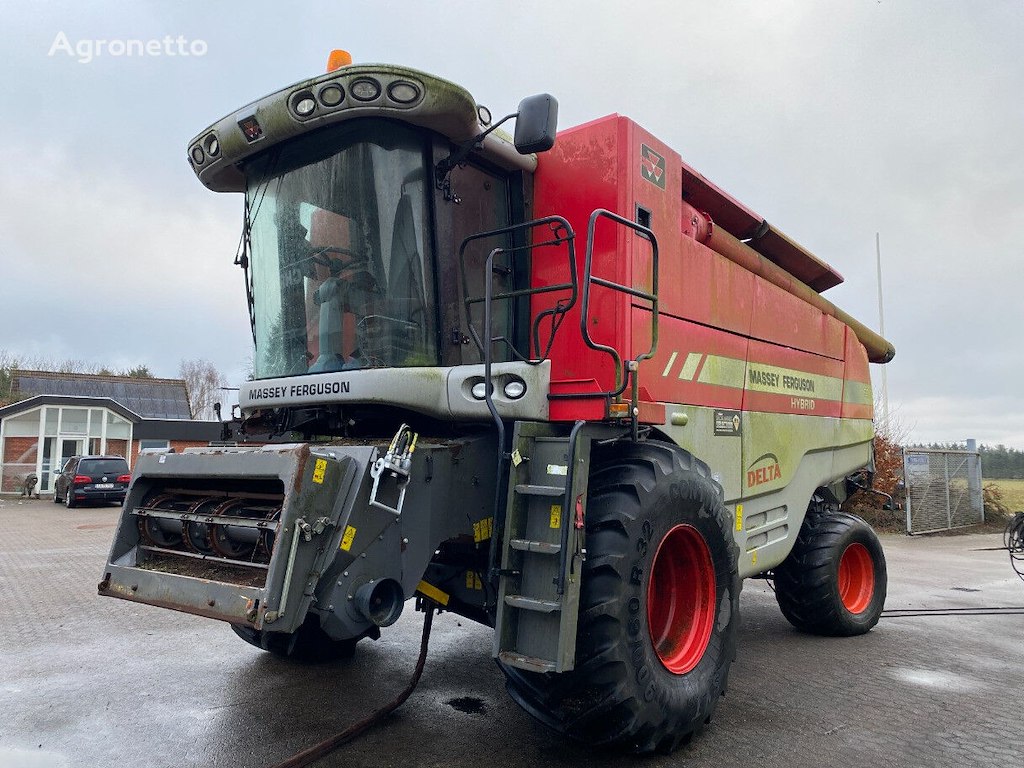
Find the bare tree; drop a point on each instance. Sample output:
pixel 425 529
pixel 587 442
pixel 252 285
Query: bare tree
pixel 203 383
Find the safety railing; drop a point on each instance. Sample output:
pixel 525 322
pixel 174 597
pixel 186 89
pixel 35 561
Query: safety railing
pixel 561 234
pixel 624 374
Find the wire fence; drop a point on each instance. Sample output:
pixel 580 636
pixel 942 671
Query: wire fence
pixel 943 489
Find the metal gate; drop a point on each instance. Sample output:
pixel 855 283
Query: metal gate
pixel 943 489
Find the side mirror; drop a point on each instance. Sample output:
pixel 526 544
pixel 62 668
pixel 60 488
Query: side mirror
pixel 536 124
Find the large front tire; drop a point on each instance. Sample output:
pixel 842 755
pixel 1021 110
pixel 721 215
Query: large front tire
pixel 658 610
pixel 834 580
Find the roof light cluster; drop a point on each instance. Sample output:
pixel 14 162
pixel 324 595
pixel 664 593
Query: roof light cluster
pixel 308 103
pixel 344 92
pixel 207 148
pixel 320 100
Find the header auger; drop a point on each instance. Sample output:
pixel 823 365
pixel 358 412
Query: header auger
pixel 567 388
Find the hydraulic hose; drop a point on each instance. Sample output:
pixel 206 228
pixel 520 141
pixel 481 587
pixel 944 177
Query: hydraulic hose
pixel 325 747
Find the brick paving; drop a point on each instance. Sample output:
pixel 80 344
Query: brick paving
pixel 88 681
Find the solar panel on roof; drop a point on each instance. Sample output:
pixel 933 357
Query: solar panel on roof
pixel 149 399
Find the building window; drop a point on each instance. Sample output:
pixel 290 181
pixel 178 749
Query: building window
pixel 74 421
pixel 144 444
pixel 117 428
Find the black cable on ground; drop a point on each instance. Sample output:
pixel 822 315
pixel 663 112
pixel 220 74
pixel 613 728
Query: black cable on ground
pixel 328 745
pixel 1013 541
pixel 904 613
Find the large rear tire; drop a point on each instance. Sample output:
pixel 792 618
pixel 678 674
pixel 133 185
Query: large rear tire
pixel 309 643
pixel 658 610
pixel 834 581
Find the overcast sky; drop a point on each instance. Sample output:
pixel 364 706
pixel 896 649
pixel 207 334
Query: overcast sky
pixel 833 120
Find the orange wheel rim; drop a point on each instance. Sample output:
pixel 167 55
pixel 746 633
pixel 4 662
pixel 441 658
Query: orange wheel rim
pixel 681 599
pixel 856 578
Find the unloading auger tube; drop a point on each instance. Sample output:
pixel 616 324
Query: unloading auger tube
pixel 879 349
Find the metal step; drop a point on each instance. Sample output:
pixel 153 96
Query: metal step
pixel 541 550
pixel 529 663
pixel 533 604
pixel 540 490
pixel 540 547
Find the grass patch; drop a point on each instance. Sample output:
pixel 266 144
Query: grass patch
pixel 1013 493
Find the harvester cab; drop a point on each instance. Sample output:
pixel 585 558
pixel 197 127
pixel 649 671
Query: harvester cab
pixel 585 443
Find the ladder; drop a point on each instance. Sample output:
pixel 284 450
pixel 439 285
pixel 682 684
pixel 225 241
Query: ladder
pixel 542 549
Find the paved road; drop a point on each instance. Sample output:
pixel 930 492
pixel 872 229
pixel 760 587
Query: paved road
pixel 92 682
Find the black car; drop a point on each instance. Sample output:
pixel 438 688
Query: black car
pixel 92 478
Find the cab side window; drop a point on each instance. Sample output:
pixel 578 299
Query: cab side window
pixel 483 206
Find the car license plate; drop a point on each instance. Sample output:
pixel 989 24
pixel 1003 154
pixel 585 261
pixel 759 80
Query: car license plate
pixel 104 486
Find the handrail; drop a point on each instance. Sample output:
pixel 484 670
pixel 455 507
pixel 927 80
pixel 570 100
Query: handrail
pixel 621 378
pixel 562 232
pixel 568 506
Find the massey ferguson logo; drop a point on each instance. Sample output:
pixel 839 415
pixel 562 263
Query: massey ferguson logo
pixel 652 166
pixel 764 470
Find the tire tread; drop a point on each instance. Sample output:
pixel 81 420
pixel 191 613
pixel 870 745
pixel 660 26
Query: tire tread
pixel 806 583
pixel 597 702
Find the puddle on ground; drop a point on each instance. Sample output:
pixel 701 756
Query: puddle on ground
pixel 468 704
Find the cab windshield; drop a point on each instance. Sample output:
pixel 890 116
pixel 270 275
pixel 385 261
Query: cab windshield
pixel 339 252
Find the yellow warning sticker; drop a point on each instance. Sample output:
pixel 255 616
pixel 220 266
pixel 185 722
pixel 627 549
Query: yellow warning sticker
pixel 319 469
pixel 482 529
pixel 347 538
pixel 435 594
pixel 473 580
pixel 739 517
pixel 753 557
pixel 517 458
pixel 556 515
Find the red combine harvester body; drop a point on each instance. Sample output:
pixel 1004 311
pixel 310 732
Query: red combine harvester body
pixel 709 304
pixel 587 454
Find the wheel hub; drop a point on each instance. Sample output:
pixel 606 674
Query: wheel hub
pixel 681 599
pixel 856 578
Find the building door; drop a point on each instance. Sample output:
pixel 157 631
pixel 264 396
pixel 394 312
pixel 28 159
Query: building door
pixel 69 446
pixel 46 466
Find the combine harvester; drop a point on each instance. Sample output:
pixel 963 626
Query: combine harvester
pixel 564 387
